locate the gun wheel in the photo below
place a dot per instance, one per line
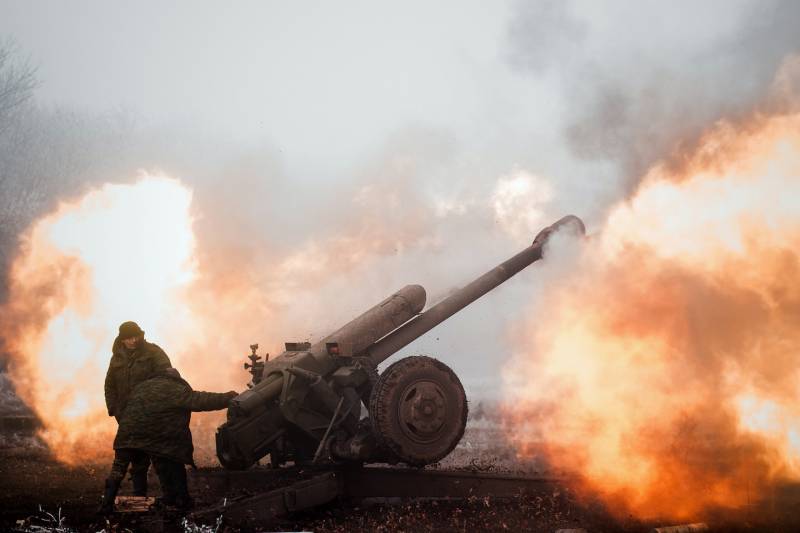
(418, 410)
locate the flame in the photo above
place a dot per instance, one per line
(660, 366)
(121, 252)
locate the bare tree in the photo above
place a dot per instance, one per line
(17, 82)
(48, 152)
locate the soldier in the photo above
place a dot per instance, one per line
(133, 360)
(156, 423)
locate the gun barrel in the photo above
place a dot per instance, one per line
(353, 337)
(361, 332)
(440, 312)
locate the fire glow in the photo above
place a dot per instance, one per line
(662, 370)
(121, 252)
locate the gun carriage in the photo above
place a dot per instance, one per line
(306, 404)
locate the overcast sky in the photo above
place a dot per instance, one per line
(324, 81)
(327, 82)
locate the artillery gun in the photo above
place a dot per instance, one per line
(305, 405)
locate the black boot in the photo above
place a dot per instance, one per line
(110, 494)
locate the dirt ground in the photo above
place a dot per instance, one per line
(30, 481)
(33, 485)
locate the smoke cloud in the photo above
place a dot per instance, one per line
(643, 80)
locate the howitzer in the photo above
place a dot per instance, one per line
(306, 404)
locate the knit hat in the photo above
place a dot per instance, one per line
(129, 329)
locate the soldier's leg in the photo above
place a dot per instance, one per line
(174, 486)
(182, 499)
(140, 464)
(122, 458)
(165, 475)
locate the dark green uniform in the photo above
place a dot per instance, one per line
(126, 370)
(156, 422)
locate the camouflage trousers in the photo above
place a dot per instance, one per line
(139, 463)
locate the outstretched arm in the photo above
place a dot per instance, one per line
(210, 401)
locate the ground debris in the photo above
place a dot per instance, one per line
(191, 527)
(44, 522)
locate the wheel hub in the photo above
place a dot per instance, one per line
(422, 411)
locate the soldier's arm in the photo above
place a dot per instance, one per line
(209, 401)
(111, 394)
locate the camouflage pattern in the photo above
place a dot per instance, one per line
(156, 419)
(127, 369)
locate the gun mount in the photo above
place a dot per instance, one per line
(306, 404)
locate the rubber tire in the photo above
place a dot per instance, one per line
(385, 406)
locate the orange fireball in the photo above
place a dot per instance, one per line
(663, 368)
(120, 252)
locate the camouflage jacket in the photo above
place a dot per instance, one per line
(126, 370)
(156, 419)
